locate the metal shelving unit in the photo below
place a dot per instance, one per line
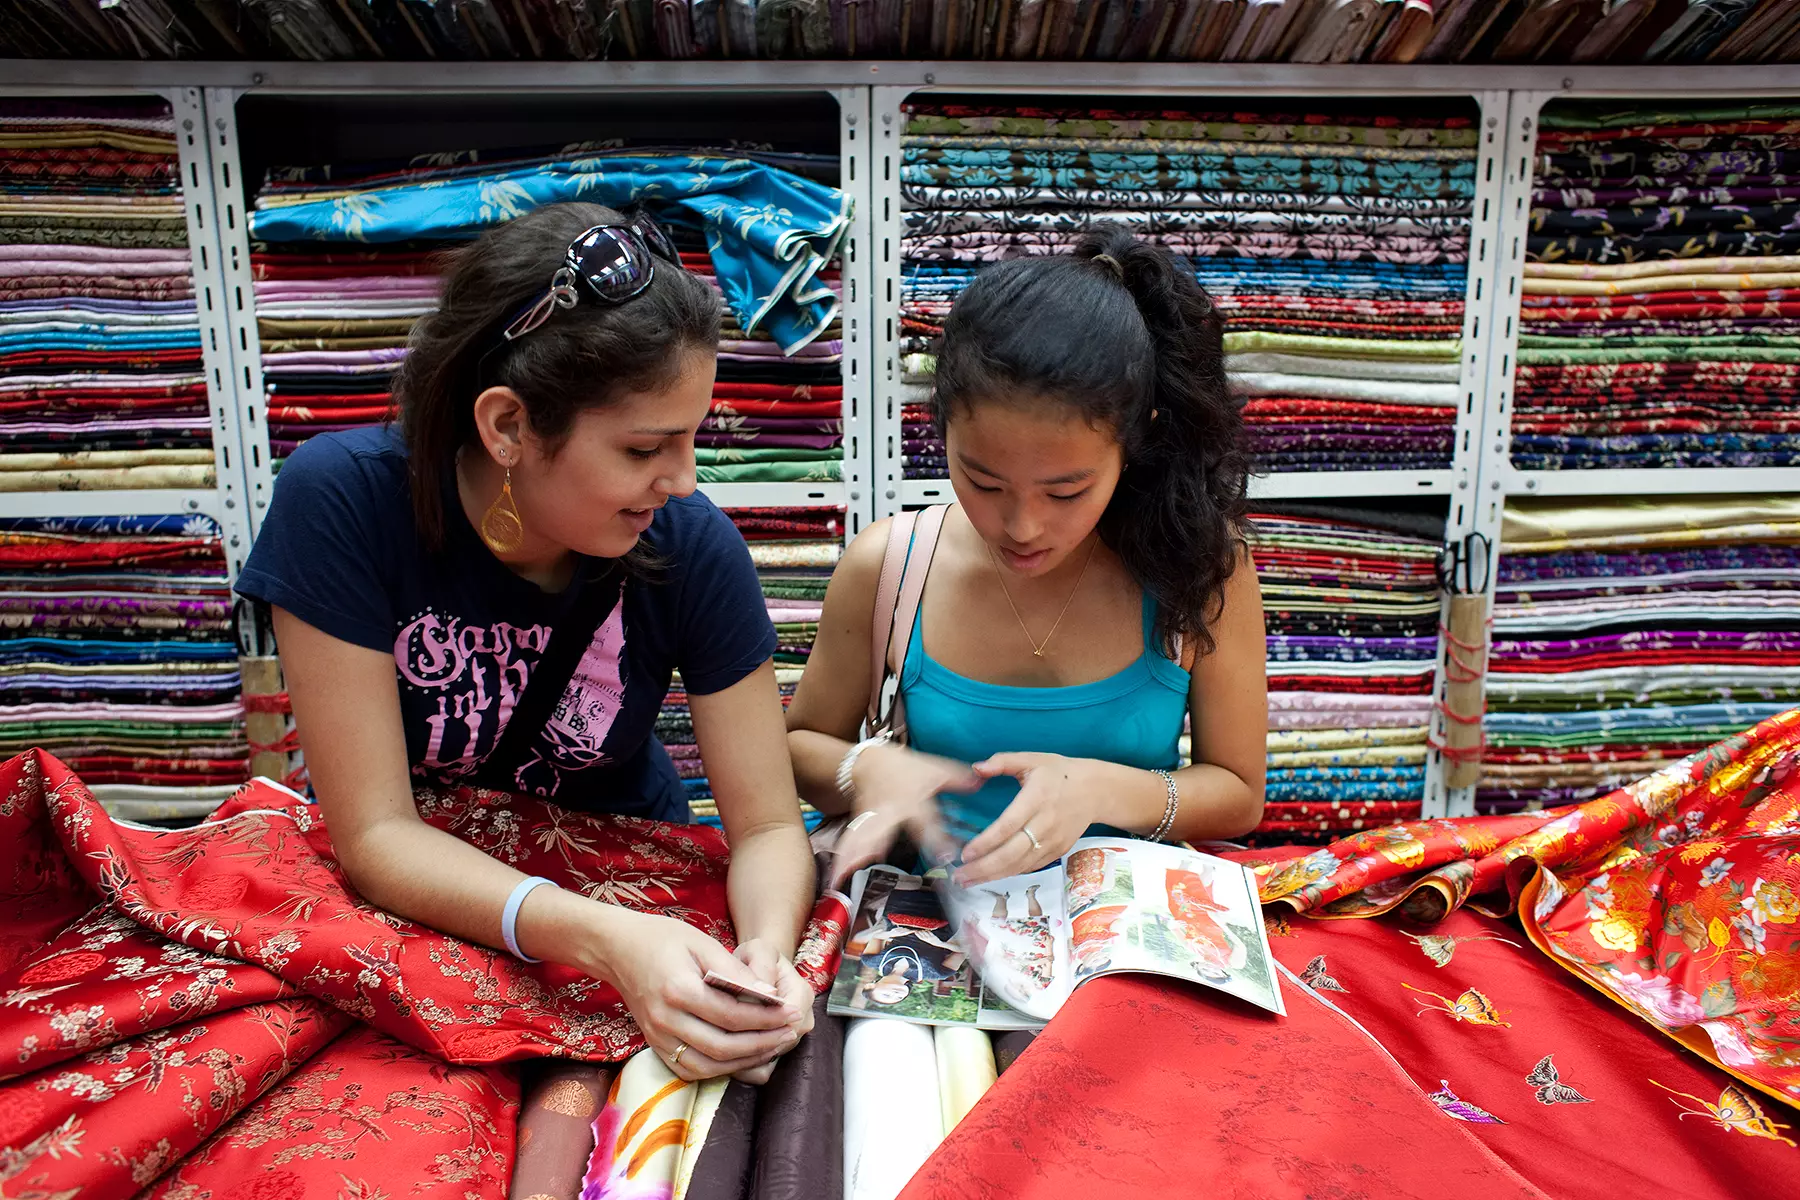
(1458, 483)
(868, 95)
(227, 150)
(1502, 476)
(224, 502)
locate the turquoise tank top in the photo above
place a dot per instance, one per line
(1133, 718)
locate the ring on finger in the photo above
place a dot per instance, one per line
(858, 821)
(681, 1048)
(1035, 844)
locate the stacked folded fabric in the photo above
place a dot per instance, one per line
(334, 312)
(1629, 633)
(1335, 244)
(1659, 325)
(1351, 605)
(795, 550)
(101, 384)
(117, 655)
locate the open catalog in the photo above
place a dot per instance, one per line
(1005, 955)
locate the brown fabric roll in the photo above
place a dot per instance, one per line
(722, 1167)
(800, 1118)
(1009, 1045)
(556, 1127)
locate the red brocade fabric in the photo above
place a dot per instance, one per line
(1440, 1051)
(217, 1003)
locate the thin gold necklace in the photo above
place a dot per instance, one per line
(1037, 648)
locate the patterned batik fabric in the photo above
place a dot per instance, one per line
(1677, 896)
(230, 964)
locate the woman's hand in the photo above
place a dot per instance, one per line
(1058, 799)
(897, 789)
(659, 965)
(774, 968)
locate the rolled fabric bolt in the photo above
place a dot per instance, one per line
(799, 1144)
(718, 1167)
(965, 1069)
(1009, 1045)
(556, 1128)
(892, 1117)
(638, 1136)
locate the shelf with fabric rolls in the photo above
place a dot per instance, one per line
(112, 324)
(1350, 237)
(1656, 348)
(1631, 632)
(335, 255)
(1351, 390)
(123, 518)
(795, 551)
(1640, 478)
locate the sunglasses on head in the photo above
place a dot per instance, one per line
(611, 263)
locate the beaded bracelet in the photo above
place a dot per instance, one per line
(1170, 809)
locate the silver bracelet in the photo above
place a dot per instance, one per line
(1169, 809)
(846, 784)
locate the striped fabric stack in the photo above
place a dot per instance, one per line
(1336, 243)
(117, 656)
(1659, 325)
(347, 258)
(795, 550)
(101, 384)
(1351, 605)
(1629, 633)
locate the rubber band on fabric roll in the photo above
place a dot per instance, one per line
(276, 703)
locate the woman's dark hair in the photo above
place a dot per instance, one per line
(582, 357)
(1122, 333)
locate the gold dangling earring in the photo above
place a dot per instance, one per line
(501, 526)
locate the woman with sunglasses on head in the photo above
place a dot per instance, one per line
(1088, 591)
(496, 593)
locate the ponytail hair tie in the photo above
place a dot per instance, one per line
(1112, 264)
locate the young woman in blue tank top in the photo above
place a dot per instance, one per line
(1090, 588)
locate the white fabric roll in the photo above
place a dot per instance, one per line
(892, 1117)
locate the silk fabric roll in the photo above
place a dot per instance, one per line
(1009, 1045)
(965, 1068)
(800, 1118)
(892, 1118)
(715, 1162)
(639, 1135)
(556, 1128)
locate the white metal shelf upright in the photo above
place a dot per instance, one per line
(224, 502)
(247, 394)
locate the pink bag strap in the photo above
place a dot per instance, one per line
(912, 540)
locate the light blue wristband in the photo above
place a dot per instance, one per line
(510, 915)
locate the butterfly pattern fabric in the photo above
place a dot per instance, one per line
(1736, 1112)
(1314, 977)
(1471, 1007)
(1676, 896)
(1440, 948)
(1550, 1087)
(1453, 1106)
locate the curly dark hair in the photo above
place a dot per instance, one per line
(583, 357)
(1137, 348)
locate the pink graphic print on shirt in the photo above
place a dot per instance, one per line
(577, 728)
(475, 676)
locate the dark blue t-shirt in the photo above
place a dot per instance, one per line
(339, 550)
